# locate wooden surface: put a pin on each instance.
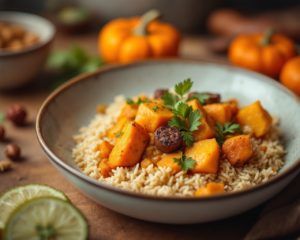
(104, 223)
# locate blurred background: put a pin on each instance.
(207, 27)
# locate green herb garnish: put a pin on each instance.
(118, 134)
(183, 87)
(185, 162)
(137, 102)
(185, 119)
(155, 108)
(226, 129)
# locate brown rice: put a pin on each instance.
(267, 160)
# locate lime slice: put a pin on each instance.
(46, 218)
(16, 196)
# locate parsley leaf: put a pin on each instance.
(226, 129)
(2, 117)
(187, 138)
(182, 109)
(183, 87)
(201, 97)
(177, 122)
(169, 100)
(185, 162)
(155, 108)
(194, 120)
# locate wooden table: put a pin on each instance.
(104, 223)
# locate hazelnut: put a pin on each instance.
(13, 151)
(17, 114)
(2, 133)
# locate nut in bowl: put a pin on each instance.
(183, 174)
(24, 45)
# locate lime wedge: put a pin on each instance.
(46, 218)
(16, 196)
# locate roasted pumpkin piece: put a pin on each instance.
(117, 129)
(152, 115)
(238, 149)
(129, 111)
(219, 112)
(206, 129)
(206, 153)
(146, 162)
(104, 168)
(210, 189)
(234, 105)
(105, 148)
(167, 160)
(130, 146)
(256, 117)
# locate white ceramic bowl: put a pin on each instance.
(18, 68)
(73, 105)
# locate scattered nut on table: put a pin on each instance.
(17, 114)
(13, 151)
(5, 165)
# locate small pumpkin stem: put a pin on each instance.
(148, 17)
(267, 38)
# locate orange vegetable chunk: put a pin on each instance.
(104, 168)
(129, 148)
(167, 160)
(105, 148)
(256, 117)
(152, 115)
(238, 149)
(219, 112)
(210, 189)
(117, 128)
(146, 162)
(206, 153)
(206, 129)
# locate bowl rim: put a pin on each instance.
(104, 186)
(35, 47)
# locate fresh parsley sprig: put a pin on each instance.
(182, 88)
(186, 163)
(223, 130)
(186, 120)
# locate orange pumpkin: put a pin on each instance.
(290, 75)
(264, 53)
(128, 40)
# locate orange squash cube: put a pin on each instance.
(238, 149)
(152, 115)
(146, 162)
(117, 129)
(104, 169)
(206, 153)
(105, 148)
(206, 129)
(129, 148)
(210, 189)
(167, 160)
(219, 112)
(129, 111)
(256, 117)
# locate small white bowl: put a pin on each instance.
(20, 67)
